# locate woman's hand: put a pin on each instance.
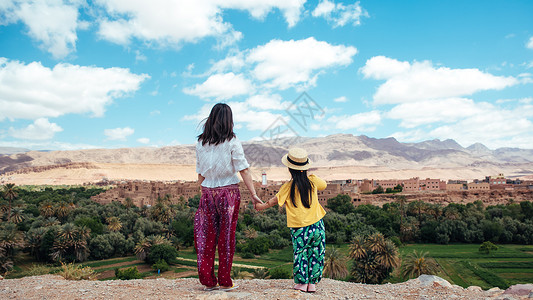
(259, 206)
(256, 199)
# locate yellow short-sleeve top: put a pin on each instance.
(300, 216)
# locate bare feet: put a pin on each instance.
(311, 288)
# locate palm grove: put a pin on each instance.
(64, 225)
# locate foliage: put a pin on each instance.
(11, 242)
(164, 252)
(183, 228)
(341, 204)
(374, 257)
(417, 264)
(161, 265)
(262, 273)
(257, 246)
(77, 272)
(378, 190)
(127, 274)
(335, 264)
(280, 273)
(487, 247)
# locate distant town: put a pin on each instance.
(364, 191)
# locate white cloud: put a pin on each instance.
(366, 121)
(284, 64)
(53, 22)
(341, 99)
(221, 87)
(169, 22)
(143, 140)
(340, 14)
(118, 134)
(529, 44)
(243, 114)
(41, 129)
(267, 102)
(492, 125)
(421, 81)
(413, 114)
(33, 91)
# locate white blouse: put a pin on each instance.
(220, 163)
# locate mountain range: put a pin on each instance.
(329, 151)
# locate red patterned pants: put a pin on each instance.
(215, 223)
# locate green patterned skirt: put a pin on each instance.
(309, 245)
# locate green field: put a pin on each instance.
(460, 264)
(464, 265)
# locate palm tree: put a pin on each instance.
(51, 221)
(47, 209)
(335, 264)
(375, 242)
(417, 264)
(374, 258)
(17, 215)
(62, 210)
(250, 233)
(10, 193)
(142, 247)
(261, 273)
(357, 249)
(114, 224)
(128, 202)
(388, 256)
(10, 242)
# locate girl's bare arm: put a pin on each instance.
(261, 206)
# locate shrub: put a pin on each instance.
(165, 252)
(77, 272)
(280, 273)
(161, 265)
(247, 255)
(36, 270)
(486, 247)
(257, 246)
(127, 274)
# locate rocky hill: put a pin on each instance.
(424, 287)
(330, 151)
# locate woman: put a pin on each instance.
(219, 156)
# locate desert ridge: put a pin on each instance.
(98, 172)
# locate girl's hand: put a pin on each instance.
(256, 199)
(259, 206)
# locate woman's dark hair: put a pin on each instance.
(304, 185)
(219, 125)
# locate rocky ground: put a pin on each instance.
(424, 287)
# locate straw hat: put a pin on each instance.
(296, 159)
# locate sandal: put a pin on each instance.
(225, 289)
(311, 288)
(211, 288)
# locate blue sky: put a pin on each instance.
(80, 74)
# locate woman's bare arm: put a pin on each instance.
(247, 178)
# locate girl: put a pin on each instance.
(219, 156)
(304, 218)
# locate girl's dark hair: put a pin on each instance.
(304, 185)
(219, 125)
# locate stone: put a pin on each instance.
(530, 295)
(519, 289)
(494, 289)
(474, 288)
(428, 280)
